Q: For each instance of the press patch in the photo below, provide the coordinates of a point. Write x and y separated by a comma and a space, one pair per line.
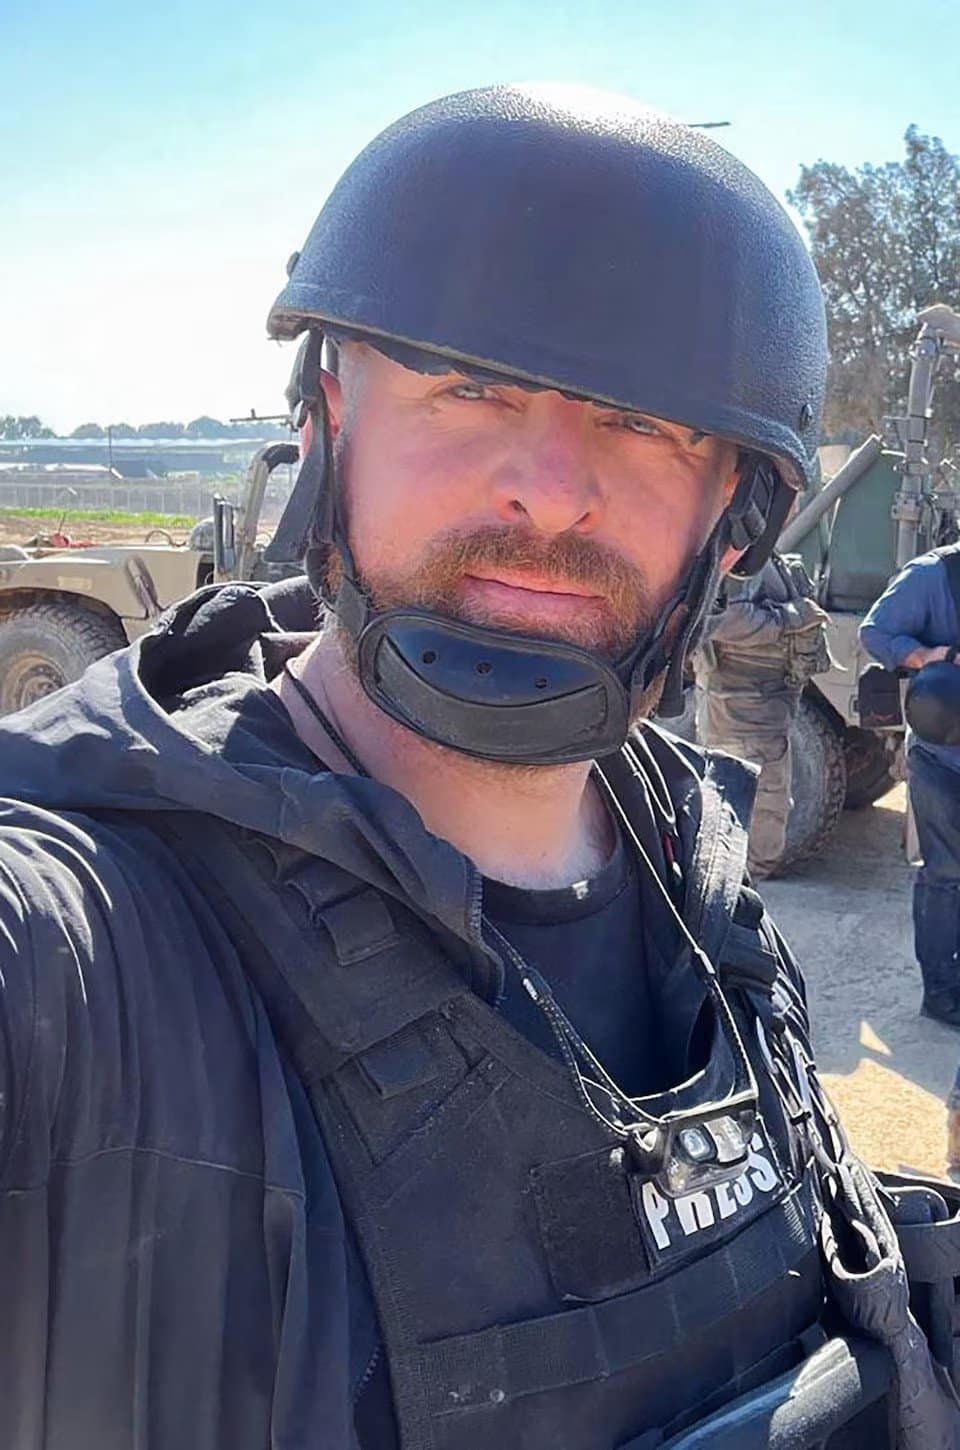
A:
671, 1227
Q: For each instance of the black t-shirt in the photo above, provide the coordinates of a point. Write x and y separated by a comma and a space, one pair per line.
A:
588, 942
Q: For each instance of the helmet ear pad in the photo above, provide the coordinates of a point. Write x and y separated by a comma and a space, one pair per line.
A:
757, 513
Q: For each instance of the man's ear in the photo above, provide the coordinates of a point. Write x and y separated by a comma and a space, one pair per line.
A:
333, 393
333, 396
732, 470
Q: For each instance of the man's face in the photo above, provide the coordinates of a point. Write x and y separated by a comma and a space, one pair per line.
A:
519, 509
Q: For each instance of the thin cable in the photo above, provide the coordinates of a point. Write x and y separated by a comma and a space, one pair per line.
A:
708, 970
570, 1043
328, 725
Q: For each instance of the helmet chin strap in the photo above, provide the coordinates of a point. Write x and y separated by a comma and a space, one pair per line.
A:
512, 698
739, 530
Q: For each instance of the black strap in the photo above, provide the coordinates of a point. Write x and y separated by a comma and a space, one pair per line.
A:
292, 533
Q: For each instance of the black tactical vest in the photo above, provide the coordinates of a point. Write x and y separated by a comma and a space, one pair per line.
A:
532, 1290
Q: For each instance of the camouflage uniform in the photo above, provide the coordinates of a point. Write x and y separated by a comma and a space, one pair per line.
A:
760, 647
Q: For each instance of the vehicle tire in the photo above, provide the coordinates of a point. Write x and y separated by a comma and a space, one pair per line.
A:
47, 645
818, 781
868, 768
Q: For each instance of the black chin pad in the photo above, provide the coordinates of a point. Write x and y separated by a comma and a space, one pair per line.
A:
511, 698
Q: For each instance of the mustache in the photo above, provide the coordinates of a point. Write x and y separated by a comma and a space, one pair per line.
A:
622, 606
562, 559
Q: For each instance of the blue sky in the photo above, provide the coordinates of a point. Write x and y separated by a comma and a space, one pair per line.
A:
158, 165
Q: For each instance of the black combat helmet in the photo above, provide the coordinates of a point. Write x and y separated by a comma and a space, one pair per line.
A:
572, 240
932, 704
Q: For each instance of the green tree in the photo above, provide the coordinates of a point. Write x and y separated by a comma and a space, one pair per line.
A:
160, 430
206, 427
886, 243
13, 428
88, 430
122, 430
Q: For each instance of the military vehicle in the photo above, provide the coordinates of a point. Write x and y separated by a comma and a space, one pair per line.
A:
887, 504
63, 607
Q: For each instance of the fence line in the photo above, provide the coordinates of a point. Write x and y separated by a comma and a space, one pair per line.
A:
189, 496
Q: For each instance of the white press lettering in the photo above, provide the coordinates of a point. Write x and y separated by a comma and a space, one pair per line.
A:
656, 1207
725, 1203
743, 1190
760, 1168
695, 1211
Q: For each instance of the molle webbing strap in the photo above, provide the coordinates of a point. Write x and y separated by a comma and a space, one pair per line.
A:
591, 1342
345, 980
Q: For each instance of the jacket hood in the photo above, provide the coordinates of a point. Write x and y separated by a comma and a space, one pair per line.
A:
125, 738
120, 739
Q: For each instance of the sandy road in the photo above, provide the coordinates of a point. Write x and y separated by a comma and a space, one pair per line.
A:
847, 917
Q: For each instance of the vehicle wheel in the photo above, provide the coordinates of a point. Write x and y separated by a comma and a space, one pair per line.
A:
868, 768
818, 781
46, 645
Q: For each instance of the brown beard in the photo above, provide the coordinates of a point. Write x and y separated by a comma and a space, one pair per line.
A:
609, 629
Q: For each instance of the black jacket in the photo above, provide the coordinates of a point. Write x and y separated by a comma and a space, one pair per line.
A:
175, 1268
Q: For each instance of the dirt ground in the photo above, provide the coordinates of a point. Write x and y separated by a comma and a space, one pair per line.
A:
15, 529
847, 917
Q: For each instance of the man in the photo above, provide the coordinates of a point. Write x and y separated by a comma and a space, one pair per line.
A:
913, 624
760, 648
391, 1053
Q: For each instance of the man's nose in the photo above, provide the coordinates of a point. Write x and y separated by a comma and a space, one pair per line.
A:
548, 480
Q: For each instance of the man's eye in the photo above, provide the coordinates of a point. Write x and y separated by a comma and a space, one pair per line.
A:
469, 392
632, 423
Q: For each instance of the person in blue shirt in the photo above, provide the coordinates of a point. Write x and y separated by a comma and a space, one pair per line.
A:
915, 623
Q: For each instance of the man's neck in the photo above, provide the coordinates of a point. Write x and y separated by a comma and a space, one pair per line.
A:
538, 827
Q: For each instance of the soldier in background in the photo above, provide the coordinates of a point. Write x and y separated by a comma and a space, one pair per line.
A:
766, 638
915, 625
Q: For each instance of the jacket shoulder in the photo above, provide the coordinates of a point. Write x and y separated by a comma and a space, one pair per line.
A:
123, 1002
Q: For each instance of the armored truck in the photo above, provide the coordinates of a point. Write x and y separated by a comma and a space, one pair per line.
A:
63, 607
